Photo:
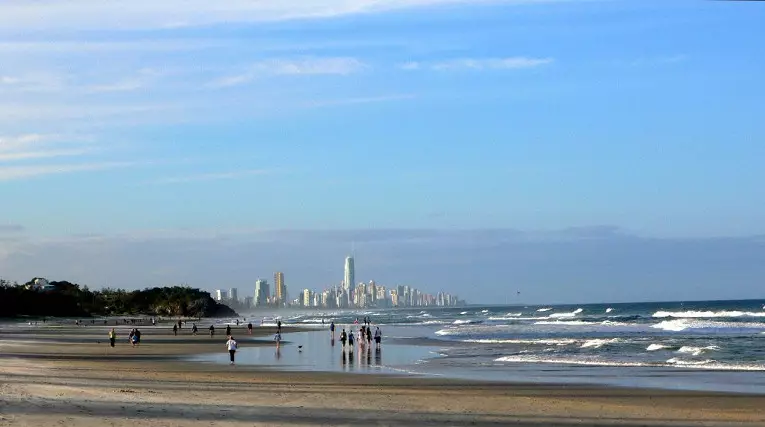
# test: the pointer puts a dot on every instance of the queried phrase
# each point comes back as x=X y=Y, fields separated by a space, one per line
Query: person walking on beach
x=228 y=330
x=212 y=330
x=137 y=337
x=343 y=338
x=231 y=346
x=332 y=330
x=112 y=337
x=279 y=325
x=378 y=337
x=249 y=328
x=194 y=329
x=369 y=336
x=175 y=330
x=278 y=339
x=350 y=342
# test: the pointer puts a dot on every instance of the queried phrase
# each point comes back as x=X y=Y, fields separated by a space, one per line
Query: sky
x=576 y=150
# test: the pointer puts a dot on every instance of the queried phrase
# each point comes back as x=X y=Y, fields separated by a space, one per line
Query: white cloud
x=80 y=15
x=213 y=176
x=340 y=66
x=659 y=60
x=10 y=173
x=25 y=155
x=510 y=63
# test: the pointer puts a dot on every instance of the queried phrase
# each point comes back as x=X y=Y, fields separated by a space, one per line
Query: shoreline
x=44 y=382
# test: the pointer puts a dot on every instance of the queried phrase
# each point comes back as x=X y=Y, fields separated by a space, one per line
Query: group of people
x=364 y=337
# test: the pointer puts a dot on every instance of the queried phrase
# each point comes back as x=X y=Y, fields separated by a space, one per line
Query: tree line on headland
x=65 y=299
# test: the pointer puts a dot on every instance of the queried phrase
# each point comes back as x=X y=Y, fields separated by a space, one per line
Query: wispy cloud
x=238 y=174
x=41 y=154
x=294 y=67
x=358 y=100
x=509 y=63
x=147 y=14
x=11 y=173
x=659 y=60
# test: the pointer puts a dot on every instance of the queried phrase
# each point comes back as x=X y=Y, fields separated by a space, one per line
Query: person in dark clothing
x=343 y=338
x=332 y=330
x=249 y=328
x=369 y=336
x=228 y=330
x=212 y=331
x=175 y=330
x=279 y=326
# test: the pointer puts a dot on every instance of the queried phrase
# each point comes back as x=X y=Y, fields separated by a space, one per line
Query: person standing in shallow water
x=378 y=337
x=231 y=346
x=343 y=338
x=332 y=330
x=112 y=337
x=350 y=342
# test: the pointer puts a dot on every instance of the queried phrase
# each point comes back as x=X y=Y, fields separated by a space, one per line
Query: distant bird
x=300 y=348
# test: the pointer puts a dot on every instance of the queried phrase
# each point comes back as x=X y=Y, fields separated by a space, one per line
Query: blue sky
x=208 y=119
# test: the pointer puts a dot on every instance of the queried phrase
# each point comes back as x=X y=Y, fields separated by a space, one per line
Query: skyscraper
x=233 y=294
x=261 y=293
x=280 y=289
x=220 y=294
x=349 y=280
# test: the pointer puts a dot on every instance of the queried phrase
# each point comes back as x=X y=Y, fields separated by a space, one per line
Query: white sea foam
x=655 y=347
x=508 y=316
x=543 y=341
x=707 y=314
x=711 y=365
x=566 y=322
x=484 y=311
x=545 y=309
x=697 y=351
x=683 y=362
x=433 y=322
x=609 y=309
x=566 y=315
x=598 y=343
x=569 y=361
x=678 y=325
x=464 y=313
x=465 y=322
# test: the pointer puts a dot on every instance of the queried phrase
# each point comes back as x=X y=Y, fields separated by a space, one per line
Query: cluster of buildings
x=348 y=294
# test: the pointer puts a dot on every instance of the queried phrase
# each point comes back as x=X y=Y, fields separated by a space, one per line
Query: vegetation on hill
x=64 y=299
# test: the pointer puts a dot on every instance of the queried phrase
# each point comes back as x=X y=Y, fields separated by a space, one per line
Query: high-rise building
x=233 y=294
x=280 y=289
x=262 y=293
x=306 y=300
x=220 y=295
x=349 y=280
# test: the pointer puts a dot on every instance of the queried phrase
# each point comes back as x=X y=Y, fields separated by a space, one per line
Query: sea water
x=707 y=345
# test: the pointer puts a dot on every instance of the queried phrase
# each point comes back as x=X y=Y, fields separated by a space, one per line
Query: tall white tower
x=349 y=281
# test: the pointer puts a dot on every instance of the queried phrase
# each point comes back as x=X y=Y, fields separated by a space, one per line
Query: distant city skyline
x=360 y=295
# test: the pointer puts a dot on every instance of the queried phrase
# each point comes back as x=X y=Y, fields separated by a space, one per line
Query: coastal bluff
x=64 y=299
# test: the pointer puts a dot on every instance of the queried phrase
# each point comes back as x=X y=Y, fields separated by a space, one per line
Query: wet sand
x=63 y=376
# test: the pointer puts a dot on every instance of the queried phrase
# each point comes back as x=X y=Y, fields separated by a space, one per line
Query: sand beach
x=56 y=375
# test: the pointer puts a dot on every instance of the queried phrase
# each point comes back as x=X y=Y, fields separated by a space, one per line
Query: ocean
x=705 y=345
